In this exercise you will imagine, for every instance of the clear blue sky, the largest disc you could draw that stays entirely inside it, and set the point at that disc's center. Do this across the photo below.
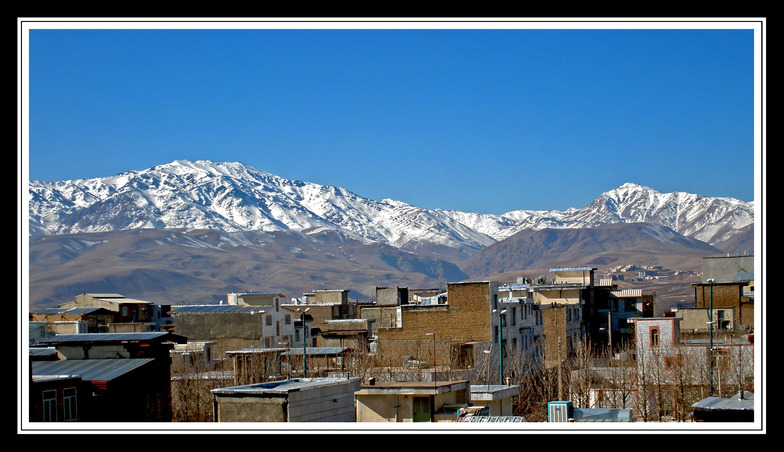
(475, 120)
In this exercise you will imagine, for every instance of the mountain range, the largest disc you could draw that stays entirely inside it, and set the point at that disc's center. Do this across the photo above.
(196, 229)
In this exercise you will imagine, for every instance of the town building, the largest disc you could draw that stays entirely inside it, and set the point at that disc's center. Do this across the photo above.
(261, 325)
(448, 334)
(496, 399)
(294, 400)
(672, 368)
(130, 314)
(437, 401)
(122, 377)
(74, 320)
(727, 286)
(733, 297)
(104, 313)
(254, 365)
(738, 408)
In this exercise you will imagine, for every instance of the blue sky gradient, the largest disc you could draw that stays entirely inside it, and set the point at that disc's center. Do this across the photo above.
(483, 120)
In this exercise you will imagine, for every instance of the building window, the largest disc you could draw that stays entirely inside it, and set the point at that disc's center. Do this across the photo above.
(288, 319)
(673, 362)
(721, 359)
(655, 339)
(268, 320)
(69, 404)
(49, 406)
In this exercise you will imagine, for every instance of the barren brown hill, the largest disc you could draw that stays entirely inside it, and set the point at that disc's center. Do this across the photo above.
(602, 247)
(171, 266)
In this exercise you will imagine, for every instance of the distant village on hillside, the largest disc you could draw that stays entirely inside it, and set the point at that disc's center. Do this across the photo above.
(568, 347)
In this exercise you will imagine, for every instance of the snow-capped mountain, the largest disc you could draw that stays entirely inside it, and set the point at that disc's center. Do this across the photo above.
(711, 220)
(235, 197)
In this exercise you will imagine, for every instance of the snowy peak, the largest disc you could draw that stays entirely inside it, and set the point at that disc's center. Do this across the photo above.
(232, 197)
(711, 220)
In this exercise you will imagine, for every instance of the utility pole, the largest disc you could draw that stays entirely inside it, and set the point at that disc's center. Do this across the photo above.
(500, 347)
(710, 325)
(560, 362)
(435, 364)
(304, 344)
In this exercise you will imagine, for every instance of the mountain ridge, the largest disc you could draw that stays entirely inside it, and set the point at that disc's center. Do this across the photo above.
(232, 197)
(193, 231)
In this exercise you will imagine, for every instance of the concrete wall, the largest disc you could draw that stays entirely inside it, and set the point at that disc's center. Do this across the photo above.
(391, 296)
(581, 276)
(251, 409)
(338, 296)
(696, 319)
(725, 269)
(391, 403)
(384, 316)
(305, 400)
(329, 403)
(211, 326)
(560, 296)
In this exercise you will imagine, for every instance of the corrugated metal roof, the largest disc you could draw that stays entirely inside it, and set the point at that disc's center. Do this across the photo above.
(733, 403)
(602, 415)
(627, 293)
(316, 351)
(104, 337)
(286, 386)
(89, 369)
(217, 308)
(81, 311)
(112, 299)
(42, 351)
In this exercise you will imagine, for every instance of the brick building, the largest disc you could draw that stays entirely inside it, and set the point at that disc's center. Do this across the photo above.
(737, 295)
(441, 334)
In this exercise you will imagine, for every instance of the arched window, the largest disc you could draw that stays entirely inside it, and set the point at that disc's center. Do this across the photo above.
(655, 336)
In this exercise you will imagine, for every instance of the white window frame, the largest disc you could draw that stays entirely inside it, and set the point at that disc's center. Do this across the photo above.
(49, 405)
(70, 406)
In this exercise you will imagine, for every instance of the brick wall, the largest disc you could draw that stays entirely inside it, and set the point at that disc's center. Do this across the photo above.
(465, 319)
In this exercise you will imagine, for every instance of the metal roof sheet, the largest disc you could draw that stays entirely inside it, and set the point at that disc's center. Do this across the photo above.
(316, 351)
(602, 415)
(733, 403)
(570, 269)
(89, 369)
(627, 293)
(69, 310)
(104, 337)
(285, 386)
(42, 351)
